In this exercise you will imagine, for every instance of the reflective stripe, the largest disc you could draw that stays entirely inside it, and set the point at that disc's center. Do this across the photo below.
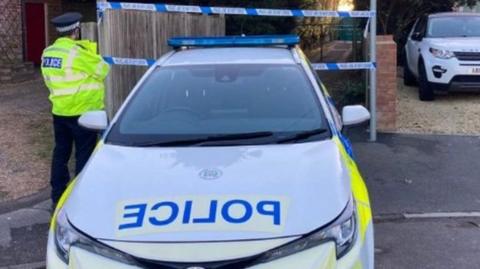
(69, 62)
(98, 146)
(99, 69)
(67, 78)
(359, 190)
(83, 87)
(57, 49)
(365, 218)
(329, 262)
(69, 27)
(358, 265)
(61, 202)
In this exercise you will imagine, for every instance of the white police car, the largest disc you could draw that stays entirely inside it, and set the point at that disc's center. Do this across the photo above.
(227, 154)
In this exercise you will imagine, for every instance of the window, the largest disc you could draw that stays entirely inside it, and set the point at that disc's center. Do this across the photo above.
(186, 102)
(421, 26)
(455, 26)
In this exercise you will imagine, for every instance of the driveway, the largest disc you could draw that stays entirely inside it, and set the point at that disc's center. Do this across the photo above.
(453, 113)
(425, 194)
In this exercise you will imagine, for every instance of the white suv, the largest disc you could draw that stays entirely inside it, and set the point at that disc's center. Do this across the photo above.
(443, 54)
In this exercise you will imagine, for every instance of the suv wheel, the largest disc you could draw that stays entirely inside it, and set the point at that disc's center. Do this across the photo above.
(425, 89)
(408, 77)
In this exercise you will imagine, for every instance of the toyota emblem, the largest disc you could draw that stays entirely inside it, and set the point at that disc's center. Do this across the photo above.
(209, 174)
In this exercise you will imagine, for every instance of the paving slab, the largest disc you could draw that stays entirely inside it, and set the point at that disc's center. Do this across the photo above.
(23, 236)
(435, 244)
(28, 246)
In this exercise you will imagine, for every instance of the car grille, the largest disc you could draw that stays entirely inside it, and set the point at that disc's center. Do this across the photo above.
(468, 56)
(466, 79)
(231, 264)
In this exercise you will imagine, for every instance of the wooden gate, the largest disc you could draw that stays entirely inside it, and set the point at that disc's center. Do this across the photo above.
(144, 34)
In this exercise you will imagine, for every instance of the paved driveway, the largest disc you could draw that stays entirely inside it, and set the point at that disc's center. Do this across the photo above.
(426, 198)
(425, 192)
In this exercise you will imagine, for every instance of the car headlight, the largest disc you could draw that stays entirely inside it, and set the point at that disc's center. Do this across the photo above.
(442, 54)
(342, 231)
(67, 236)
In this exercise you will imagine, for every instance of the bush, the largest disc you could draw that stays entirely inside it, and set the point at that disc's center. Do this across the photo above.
(351, 93)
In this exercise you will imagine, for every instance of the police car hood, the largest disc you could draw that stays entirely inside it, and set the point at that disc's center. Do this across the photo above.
(193, 194)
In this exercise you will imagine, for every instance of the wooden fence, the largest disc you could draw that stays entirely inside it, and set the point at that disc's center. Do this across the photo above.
(144, 34)
(89, 31)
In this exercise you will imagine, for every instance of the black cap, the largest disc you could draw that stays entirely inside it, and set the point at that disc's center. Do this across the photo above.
(67, 22)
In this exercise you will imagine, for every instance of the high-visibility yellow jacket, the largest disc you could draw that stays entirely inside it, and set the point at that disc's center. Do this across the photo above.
(74, 73)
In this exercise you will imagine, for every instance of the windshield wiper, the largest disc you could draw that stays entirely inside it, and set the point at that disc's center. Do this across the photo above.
(301, 136)
(201, 140)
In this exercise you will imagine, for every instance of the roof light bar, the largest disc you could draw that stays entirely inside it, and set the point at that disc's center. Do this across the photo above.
(234, 41)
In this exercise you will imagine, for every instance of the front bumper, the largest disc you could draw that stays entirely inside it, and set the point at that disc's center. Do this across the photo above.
(453, 74)
(320, 257)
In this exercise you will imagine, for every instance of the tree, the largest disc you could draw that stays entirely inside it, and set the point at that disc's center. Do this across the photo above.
(396, 16)
(249, 25)
(307, 28)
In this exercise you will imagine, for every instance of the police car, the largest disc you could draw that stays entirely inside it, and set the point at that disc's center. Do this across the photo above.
(228, 153)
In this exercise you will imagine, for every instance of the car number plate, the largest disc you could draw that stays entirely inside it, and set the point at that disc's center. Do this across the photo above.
(475, 70)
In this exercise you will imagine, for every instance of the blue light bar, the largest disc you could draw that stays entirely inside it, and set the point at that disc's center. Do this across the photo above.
(234, 41)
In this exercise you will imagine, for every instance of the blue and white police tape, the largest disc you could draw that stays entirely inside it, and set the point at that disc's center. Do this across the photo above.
(316, 66)
(345, 66)
(129, 61)
(235, 10)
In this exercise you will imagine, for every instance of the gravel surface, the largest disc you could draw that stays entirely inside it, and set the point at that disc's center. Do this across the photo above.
(25, 139)
(453, 113)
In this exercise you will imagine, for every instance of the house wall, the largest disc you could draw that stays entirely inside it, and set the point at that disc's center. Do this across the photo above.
(12, 28)
(13, 37)
(11, 47)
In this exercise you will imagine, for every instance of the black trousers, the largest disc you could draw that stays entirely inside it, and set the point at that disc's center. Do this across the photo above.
(67, 133)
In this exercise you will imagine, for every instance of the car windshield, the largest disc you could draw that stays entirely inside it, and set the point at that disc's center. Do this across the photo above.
(455, 26)
(221, 104)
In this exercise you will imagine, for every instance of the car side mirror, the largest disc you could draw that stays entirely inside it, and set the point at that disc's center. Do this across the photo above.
(417, 36)
(94, 120)
(353, 115)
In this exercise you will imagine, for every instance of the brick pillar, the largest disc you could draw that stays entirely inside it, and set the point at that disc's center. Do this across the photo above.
(386, 83)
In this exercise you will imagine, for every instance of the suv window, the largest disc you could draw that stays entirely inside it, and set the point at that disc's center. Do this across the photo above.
(454, 26)
(421, 26)
(192, 102)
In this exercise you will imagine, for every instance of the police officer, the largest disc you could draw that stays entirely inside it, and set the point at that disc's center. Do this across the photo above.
(74, 73)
